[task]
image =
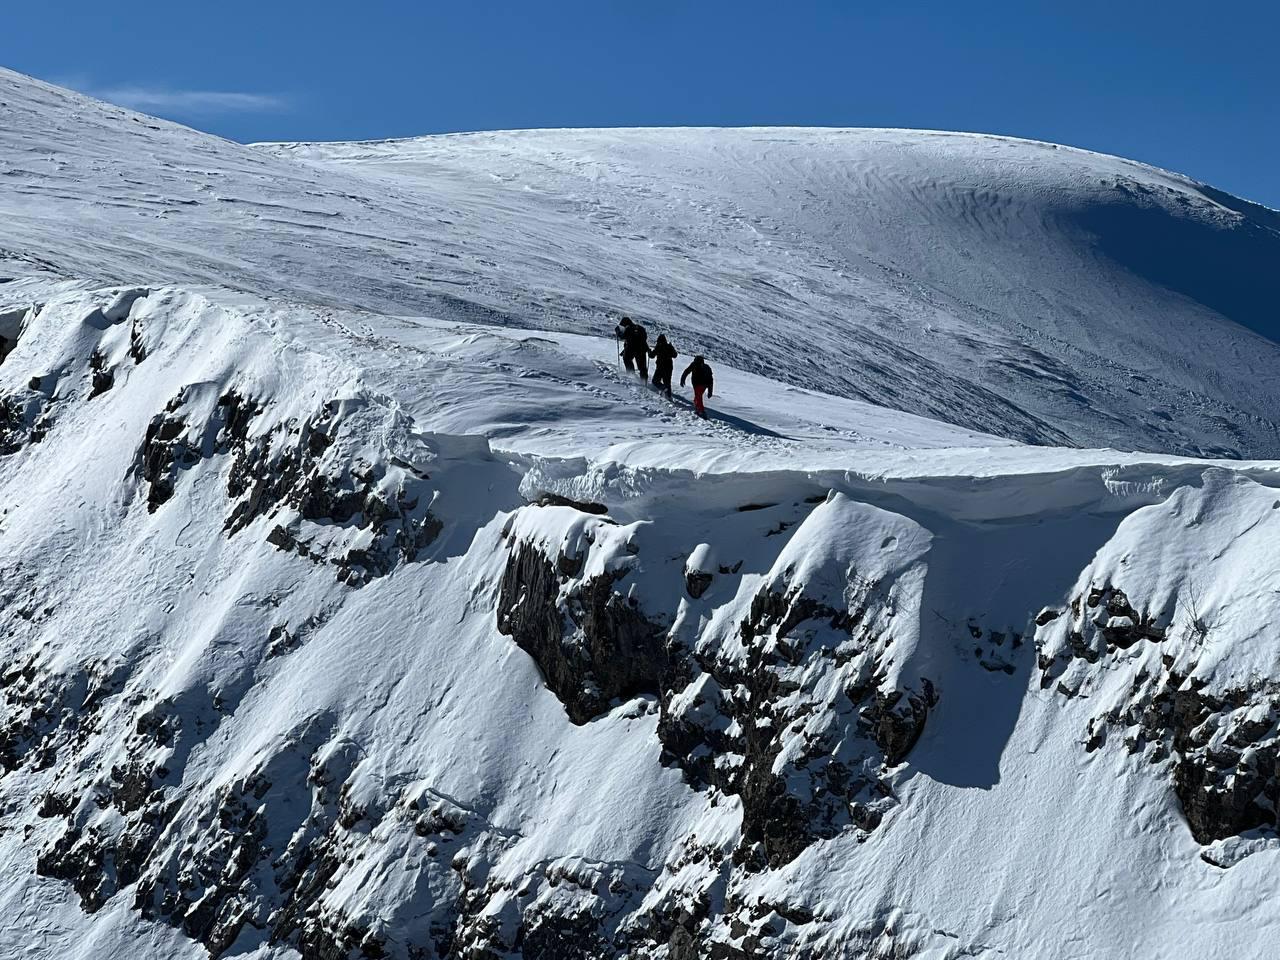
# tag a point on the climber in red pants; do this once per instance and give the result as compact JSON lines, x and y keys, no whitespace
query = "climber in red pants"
{"x":703,"y":380}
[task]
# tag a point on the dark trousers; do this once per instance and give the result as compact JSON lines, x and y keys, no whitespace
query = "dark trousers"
{"x":662,"y":377}
{"x":637,"y":361}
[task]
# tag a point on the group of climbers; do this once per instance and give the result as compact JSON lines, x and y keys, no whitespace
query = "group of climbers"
{"x":635,"y":350}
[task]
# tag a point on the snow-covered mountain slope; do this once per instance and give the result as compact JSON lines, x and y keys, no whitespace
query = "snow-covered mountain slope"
{"x":1039,"y":293}
{"x":331,"y":630}
{"x":310,"y":650}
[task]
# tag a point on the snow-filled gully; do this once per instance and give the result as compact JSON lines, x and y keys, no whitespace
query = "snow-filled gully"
{"x":284,"y":669}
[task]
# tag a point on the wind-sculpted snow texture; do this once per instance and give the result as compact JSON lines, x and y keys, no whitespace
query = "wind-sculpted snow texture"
{"x":333,"y":632}
{"x":1036,"y":292}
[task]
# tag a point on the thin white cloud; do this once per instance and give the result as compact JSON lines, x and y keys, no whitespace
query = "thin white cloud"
{"x":190,"y":101}
{"x":175,"y":102}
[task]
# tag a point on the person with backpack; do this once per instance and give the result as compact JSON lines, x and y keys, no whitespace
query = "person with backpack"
{"x":664,"y":355}
{"x":635,"y":346}
{"x":703,"y":380}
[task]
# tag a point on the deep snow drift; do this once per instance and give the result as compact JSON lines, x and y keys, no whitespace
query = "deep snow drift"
{"x":333,"y":630}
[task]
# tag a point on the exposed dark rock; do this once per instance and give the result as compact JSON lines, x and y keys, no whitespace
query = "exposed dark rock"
{"x":283,"y":638}
{"x":997,"y":667}
{"x":591,"y":898}
{"x":103,"y":378}
{"x":12,"y":434}
{"x":546,"y":499}
{"x":898,"y":720}
{"x":43,"y":713}
{"x":80,"y":859}
{"x":1103,"y":621}
{"x":98,"y":863}
{"x":281,"y":474}
{"x":24,"y":419}
{"x":162,"y":454}
{"x":1223,"y":751}
{"x":556,"y":937}
{"x":54,"y":805}
{"x":208,"y":892}
{"x":11,"y":322}
{"x":281,"y":471}
{"x":592,"y":644}
{"x":1120,"y":625}
{"x":696,"y":582}
{"x":309,"y":877}
{"x":866,"y":729}
{"x":137,"y":348}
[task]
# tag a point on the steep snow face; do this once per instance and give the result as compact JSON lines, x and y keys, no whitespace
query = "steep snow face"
{"x":1038,"y":293}
{"x":309,"y":652}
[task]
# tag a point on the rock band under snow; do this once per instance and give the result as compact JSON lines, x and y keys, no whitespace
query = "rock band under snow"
{"x":635,"y":352}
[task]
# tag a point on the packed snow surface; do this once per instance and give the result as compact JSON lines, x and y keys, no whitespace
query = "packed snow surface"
{"x":355,"y":602}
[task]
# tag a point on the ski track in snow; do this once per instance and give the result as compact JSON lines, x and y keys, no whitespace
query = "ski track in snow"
{"x":353,"y":599}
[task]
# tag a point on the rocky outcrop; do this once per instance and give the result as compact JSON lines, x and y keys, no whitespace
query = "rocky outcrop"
{"x":807,"y":765}
{"x":1102,"y":622}
{"x":569,"y":908}
{"x":44,"y":713}
{"x":548,"y":499}
{"x":594,"y":646}
{"x":163,"y":453}
{"x":26,"y":416}
{"x":86,"y":370}
{"x":103,"y":379}
{"x":11,"y":324}
{"x":796,"y":717}
{"x":696,"y":583}
{"x":308,"y":474}
{"x":297,"y":475}
{"x":1219,"y":749}
{"x":1222,"y":751}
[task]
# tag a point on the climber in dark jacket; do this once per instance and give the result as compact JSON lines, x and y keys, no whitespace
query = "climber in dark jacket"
{"x":703,"y":380}
{"x":635,"y":346}
{"x":664,"y":355}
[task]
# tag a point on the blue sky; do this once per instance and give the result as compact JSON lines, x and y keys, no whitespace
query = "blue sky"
{"x":1187,"y":86}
